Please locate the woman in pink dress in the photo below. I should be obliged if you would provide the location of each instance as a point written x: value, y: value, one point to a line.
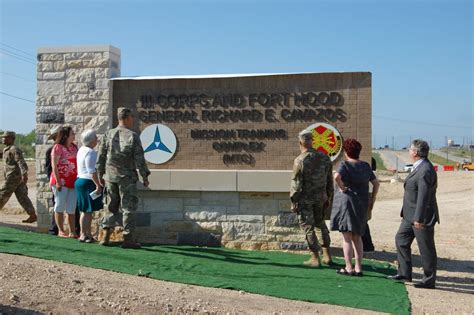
x: 63, y: 162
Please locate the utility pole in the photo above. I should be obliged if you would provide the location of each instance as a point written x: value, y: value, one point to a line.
x: 470, y: 149
x: 447, y: 150
x: 396, y: 167
x: 393, y: 143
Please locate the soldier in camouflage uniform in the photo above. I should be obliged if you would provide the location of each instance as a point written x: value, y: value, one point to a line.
x: 311, y: 193
x: 120, y: 154
x: 15, y: 176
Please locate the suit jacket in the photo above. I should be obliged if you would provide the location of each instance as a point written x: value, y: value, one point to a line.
x: 419, y: 200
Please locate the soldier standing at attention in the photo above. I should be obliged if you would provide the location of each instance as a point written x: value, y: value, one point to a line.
x: 120, y: 154
x: 15, y: 176
x: 311, y: 192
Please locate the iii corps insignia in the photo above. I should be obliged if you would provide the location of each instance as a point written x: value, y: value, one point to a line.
x: 326, y: 139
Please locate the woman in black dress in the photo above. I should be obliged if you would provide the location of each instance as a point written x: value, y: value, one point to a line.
x: 351, y: 204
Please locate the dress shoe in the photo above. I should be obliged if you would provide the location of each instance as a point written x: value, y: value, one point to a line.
x: 422, y: 285
x: 397, y: 277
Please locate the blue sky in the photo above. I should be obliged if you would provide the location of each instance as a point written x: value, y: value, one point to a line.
x: 420, y: 53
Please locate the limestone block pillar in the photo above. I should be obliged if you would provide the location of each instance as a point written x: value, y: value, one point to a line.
x: 73, y: 88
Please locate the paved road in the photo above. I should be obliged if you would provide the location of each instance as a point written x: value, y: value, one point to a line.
x: 389, y: 158
x: 392, y: 158
x: 450, y: 156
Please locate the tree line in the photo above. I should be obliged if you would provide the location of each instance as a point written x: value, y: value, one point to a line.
x: 26, y: 142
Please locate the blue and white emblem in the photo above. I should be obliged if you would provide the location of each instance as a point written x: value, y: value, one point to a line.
x: 159, y: 143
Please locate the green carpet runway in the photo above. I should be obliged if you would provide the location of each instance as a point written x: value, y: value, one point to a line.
x: 269, y: 273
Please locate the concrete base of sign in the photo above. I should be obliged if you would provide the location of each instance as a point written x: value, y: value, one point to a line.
x: 244, y: 209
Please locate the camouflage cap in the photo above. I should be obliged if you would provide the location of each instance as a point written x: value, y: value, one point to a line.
x: 8, y: 134
x: 305, y: 135
x: 123, y: 112
x: 54, y: 131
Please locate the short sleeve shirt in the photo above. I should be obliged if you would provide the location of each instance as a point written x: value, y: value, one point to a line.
x: 67, y: 165
x: 86, y: 162
x: 356, y: 175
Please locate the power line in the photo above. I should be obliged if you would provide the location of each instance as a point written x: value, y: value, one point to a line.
x: 16, y: 54
x: 22, y: 51
x: 421, y: 122
x: 16, y: 76
x: 9, y: 53
x: 20, y: 98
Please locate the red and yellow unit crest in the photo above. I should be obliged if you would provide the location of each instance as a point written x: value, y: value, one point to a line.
x: 326, y: 139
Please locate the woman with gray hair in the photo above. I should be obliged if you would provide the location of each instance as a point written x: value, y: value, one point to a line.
x: 88, y: 187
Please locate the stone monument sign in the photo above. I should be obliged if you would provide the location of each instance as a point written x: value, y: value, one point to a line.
x: 220, y: 147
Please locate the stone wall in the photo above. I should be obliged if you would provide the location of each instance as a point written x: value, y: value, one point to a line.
x: 247, y: 220
x: 237, y: 209
x: 73, y: 88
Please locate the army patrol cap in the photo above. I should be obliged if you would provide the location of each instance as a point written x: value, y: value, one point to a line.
x: 123, y: 112
x: 305, y: 135
x: 54, y: 131
x: 8, y: 134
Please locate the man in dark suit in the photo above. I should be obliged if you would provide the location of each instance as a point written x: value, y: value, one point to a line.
x: 419, y: 216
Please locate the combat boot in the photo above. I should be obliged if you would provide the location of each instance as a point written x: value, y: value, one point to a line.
x: 106, y: 237
x: 327, y: 256
x: 128, y: 242
x: 31, y: 219
x: 313, y: 261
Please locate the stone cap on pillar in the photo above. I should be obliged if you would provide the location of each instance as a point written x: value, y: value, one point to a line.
x: 81, y: 48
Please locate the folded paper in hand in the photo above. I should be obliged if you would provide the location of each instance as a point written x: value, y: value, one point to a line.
x: 94, y: 195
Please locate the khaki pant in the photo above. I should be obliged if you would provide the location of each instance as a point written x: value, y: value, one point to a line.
x: 311, y: 219
x: 122, y: 207
x: 21, y: 192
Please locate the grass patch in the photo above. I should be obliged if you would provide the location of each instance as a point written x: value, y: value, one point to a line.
x: 436, y: 159
x: 379, y: 161
x: 464, y: 153
x: 270, y: 273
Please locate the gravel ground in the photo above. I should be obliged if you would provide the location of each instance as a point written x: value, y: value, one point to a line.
x: 32, y: 286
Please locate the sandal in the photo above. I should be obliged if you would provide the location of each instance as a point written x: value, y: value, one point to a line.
x: 71, y: 235
x: 358, y: 274
x: 62, y: 234
x: 344, y: 272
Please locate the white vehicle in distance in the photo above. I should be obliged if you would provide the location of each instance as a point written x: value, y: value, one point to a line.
x: 408, y: 168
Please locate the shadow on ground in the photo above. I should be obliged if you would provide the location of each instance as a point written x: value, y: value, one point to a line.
x: 8, y: 309
x: 446, y: 283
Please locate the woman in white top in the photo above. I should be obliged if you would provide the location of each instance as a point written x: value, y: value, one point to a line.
x: 87, y: 185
